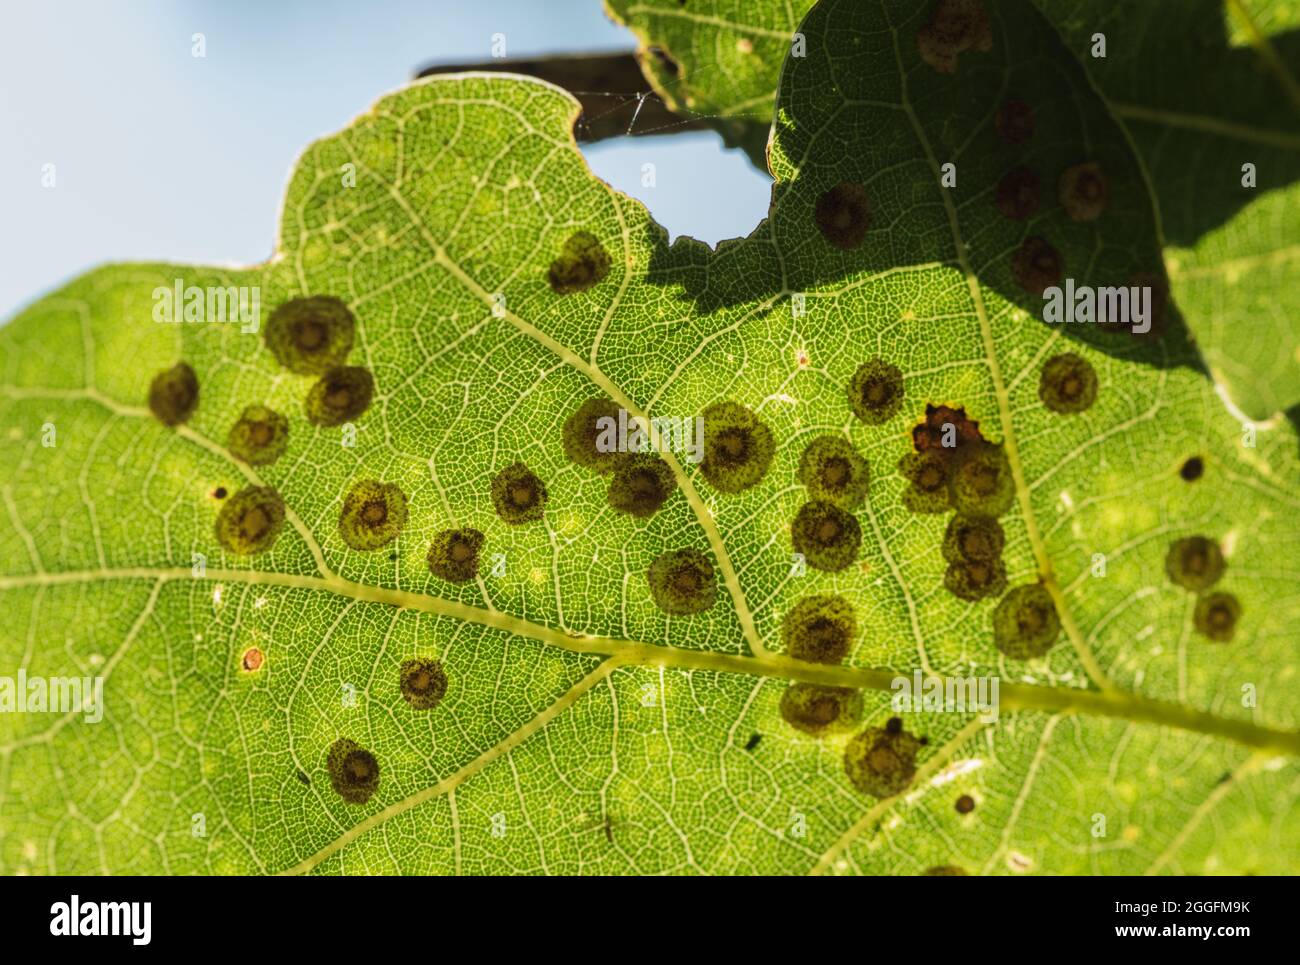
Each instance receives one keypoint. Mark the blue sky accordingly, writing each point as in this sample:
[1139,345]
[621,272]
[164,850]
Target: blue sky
[160,155]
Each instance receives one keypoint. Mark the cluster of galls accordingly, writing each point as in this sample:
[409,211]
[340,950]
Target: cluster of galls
[313,336]
[354,770]
[737,451]
[1197,564]
[519,496]
[822,628]
[879,761]
[953,467]
[825,531]
[308,336]
[1083,191]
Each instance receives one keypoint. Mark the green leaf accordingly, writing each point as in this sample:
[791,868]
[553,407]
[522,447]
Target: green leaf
[496,285]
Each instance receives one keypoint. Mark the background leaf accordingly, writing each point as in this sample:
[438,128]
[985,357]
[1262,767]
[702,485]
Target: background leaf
[717,60]
[1205,88]
[1202,88]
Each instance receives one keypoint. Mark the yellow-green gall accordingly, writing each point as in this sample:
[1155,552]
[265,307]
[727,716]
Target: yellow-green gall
[738,448]
[340,396]
[1216,616]
[1025,622]
[834,472]
[250,521]
[981,483]
[820,628]
[1195,563]
[518,495]
[259,437]
[373,514]
[590,436]
[1068,384]
[876,391]
[819,710]
[583,263]
[881,761]
[682,582]
[827,536]
[641,484]
[310,335]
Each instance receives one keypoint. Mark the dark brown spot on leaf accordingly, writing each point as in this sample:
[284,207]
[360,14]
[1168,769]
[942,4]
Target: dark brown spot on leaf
[1014,122]
[1036,265]
[422,682]
[955,26]
[1192,469]
[843,215]
[174,394]
[1017,193]
[582,264]
[1084,191]
[946,431]
[453,555]
[353,770]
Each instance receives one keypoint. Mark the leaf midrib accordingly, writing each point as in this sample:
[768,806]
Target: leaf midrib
[629,652]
